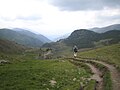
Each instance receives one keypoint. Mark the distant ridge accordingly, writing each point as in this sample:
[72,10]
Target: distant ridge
[31,34]
[107,28]
[84,38]
[23,37]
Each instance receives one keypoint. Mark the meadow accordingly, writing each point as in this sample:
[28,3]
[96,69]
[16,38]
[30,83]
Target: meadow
[41,75]
[110,54]
[25,72]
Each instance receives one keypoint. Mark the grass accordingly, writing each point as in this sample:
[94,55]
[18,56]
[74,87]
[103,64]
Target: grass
[81,64]
[91,85]
[37,74]
[109,54]
[88,85]
[107,81]
[26,73]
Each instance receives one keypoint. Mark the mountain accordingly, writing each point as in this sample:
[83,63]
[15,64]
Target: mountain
[82,38]
[10,47]
[105,29]
[88,39]
[85,39]
[112,36]
[43,38]
[31,34]
[20,38]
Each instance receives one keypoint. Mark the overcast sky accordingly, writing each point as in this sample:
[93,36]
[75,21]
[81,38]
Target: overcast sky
[53,18]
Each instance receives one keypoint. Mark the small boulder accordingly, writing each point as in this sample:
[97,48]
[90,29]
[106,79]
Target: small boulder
[4,62]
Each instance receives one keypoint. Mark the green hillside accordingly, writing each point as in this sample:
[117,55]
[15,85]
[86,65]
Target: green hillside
[20,38]
[82,38]
[86,39]
[108,53]
[31,34]
[41,75]
[22,68]
[59,49]
[10,47]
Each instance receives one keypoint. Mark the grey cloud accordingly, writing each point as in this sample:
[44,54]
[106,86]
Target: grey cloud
[76,5]
[112,17]
[109,18]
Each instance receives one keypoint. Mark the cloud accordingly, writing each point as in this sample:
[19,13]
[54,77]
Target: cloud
[76,5]
[29,18]
[24,18]
[115,17]
[111,16]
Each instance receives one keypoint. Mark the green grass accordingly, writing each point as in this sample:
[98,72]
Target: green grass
[36,75]
[91,85]
[109,54]
[107,81]
[88,85]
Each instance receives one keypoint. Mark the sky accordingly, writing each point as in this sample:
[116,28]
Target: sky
[54,18]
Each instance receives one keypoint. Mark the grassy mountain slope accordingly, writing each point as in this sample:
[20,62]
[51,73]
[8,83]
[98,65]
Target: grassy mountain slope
[59,49]
[19,38]
[108,53]
[9,47]
[31,34]
[114,35]
[86,39]
[82,38]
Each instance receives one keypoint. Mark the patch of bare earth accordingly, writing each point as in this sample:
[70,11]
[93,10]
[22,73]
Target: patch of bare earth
[96,77]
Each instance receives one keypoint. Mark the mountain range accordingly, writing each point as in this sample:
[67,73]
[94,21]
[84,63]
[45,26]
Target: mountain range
[107,28]
[23,37]
[95,29]
[84,38]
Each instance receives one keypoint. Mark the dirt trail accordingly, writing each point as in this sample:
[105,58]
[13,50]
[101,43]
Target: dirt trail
[96,76]
[96,72]
[115,75]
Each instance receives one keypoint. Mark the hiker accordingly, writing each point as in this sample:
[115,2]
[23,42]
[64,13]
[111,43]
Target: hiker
[75,49]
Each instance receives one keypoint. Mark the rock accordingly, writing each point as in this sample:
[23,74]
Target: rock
[74,79]
[52,82]
[4,62]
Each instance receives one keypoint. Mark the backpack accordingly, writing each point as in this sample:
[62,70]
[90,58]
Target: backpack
[75,50]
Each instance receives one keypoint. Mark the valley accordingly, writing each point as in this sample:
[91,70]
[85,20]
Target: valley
[30,63]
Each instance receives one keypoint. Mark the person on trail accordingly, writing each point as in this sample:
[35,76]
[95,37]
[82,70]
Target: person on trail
[75,49]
